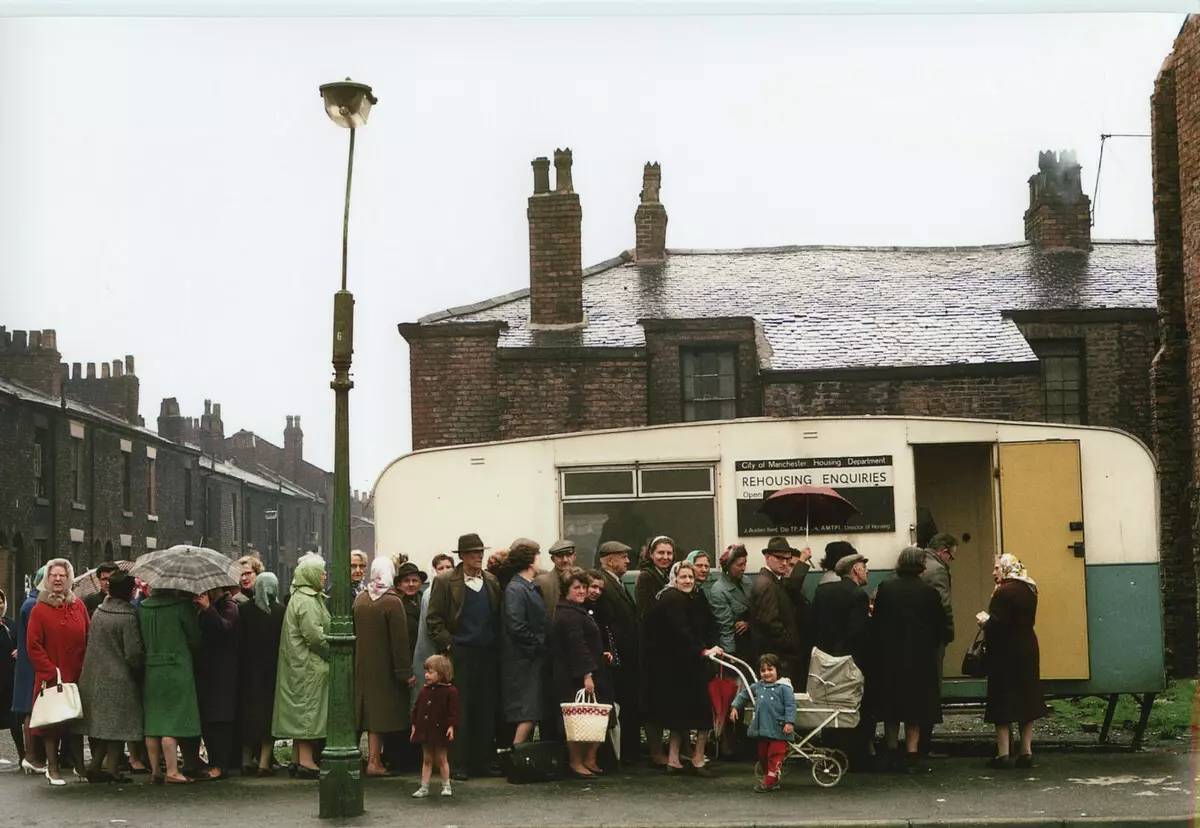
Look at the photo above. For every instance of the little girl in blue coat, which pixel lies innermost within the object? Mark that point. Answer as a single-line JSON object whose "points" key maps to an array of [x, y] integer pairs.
{"points": [[774, 719]]}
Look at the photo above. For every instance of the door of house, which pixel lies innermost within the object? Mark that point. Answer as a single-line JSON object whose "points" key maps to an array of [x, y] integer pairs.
{"points": [[1041, 522]]}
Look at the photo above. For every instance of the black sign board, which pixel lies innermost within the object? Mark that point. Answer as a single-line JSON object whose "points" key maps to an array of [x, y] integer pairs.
{"points": [[866, 481]]}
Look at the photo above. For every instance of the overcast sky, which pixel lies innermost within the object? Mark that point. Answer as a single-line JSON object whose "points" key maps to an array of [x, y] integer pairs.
{"points": [[173, 189]]}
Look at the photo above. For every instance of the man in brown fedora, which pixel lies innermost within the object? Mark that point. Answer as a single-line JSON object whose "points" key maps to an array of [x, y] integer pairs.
{"points": [[464, 622], [774, 622]]}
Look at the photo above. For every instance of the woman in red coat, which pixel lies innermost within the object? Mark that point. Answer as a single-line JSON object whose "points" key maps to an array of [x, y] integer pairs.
{"points": [[57, 638]]}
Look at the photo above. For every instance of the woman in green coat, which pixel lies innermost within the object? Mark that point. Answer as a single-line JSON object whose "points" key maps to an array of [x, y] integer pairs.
{"points": [[302, 683], [170, 634]]}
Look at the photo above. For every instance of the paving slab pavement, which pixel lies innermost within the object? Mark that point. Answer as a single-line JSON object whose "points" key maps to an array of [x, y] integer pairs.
{"points": [[1080, 788]]}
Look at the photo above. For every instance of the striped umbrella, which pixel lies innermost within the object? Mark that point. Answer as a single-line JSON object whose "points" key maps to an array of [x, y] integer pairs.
{"points": [[89, 582], [187, 568]]}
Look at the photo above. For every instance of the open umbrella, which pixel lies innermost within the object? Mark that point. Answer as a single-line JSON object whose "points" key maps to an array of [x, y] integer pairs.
{"points": [[187, 568], [89, 582], [808, 505]]}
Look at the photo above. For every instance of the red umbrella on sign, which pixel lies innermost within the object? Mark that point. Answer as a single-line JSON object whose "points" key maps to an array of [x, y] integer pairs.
{"points": [[808, 505]]}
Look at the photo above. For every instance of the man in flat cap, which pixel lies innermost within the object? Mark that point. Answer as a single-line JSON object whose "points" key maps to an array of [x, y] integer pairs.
{"points": [[842, 614], [562, 555], [616, 604]]}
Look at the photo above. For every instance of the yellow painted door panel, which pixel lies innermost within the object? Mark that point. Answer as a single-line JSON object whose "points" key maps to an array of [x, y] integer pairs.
{"points": [[1040, 497]]}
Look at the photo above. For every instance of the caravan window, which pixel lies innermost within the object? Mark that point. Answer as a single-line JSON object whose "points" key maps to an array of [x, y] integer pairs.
{"points": [[633, 504]]}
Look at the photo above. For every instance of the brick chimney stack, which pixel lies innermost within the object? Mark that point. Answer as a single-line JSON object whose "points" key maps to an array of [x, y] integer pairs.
{"points": [[293, 449], [212, 431], [170, 423], [1059, 216], [555, 247], [32, 359], [650, 220]]}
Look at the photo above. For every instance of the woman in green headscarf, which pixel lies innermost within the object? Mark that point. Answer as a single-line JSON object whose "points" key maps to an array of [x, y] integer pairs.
{"points": [[260, 626], [302, 685]]}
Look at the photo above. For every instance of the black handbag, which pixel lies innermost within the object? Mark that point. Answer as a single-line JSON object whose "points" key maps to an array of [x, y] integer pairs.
{"points": [[531, 762], [974, 663]]}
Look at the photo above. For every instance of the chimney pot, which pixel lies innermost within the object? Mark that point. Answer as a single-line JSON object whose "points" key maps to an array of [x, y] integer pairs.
{"points": [[208, 406], [91, 370], [129, 365], [104, 368], [562, 171], [20, 339], [289, 420], [296, 420], [35, 340], [76, 370], [118, 369], [541, 175], [49, 340], [216, 411]]}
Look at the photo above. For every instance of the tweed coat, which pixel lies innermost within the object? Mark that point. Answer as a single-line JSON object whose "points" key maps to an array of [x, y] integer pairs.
{"points": [[382, 663], [110, 685], [170, 634]]}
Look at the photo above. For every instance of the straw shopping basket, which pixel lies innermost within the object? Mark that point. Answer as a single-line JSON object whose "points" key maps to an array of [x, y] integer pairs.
{"points": [[585, 720]]}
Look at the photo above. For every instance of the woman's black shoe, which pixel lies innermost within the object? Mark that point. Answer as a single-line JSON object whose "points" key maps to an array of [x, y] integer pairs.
{"points": [[308, 773], [1025, 760], [292, 770], [1001, 763]]}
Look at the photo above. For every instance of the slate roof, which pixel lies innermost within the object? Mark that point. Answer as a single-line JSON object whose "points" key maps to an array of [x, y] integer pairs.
{"points": [[15, 389], [846, 307]]}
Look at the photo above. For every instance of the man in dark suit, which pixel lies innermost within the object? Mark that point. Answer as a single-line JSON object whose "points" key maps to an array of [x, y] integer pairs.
{"points": [[616, 605], [464, 623], [773, 620]]}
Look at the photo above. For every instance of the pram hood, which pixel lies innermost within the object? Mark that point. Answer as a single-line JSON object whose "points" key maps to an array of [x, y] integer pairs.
{"points": [[834, 681]]}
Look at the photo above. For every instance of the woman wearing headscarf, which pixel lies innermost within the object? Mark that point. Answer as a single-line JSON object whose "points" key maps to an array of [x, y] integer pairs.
{"points": [[382, 662], [579, 663], [58, 628], [651, 580], [1014, 690], [32, 760], [110, 686], [260, 625], [906, 629], [679, 669], [301, 711], [171, 635], [702, 562], [8, 667], [523, 642], [729, 600]]}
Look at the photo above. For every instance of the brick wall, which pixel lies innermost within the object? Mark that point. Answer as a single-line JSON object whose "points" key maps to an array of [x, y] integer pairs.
{"points": [[664, 340], [557, 391], [1002, 397], [32, 359], [1169, 377], [1117, 357], [1175, 114], [453, 371]]}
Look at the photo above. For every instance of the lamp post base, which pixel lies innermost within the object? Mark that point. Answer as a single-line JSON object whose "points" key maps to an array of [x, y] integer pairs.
{"points": [[341, 785]]}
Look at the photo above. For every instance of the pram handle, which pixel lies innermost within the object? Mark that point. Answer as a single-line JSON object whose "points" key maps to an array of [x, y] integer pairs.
{"points": [[735, 664]]}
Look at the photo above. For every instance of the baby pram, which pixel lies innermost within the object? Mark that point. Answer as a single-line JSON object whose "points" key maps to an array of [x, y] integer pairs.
{"points": [[834, 693]]}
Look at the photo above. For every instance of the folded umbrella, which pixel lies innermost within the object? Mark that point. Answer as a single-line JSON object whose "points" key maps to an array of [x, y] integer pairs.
{"points": [[807, 505], [187, 568], [89, 582], [722, 689]]}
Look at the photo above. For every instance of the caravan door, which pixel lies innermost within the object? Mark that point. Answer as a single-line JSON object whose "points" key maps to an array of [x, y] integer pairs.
{"points": [[1041, 500]]}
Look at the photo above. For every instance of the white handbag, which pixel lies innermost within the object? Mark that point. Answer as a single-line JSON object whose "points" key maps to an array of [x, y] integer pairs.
{"points": [[56, 704], [584, 720]]}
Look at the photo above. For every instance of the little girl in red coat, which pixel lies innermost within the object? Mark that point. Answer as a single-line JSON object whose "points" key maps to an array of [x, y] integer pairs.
{"points": [[434, 719]]}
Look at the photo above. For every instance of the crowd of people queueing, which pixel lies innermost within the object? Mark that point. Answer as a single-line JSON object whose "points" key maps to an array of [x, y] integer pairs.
{"points": [[191, 687]]}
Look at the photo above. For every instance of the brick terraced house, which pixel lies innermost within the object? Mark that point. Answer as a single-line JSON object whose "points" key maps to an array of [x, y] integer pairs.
{"points": [[84, 478], [1057, 327]]}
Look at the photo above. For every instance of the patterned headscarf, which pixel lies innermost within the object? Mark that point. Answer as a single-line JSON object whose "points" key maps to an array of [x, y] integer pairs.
{"points": [[266, 591], [731, 554], [383, 573], [1011, 568]]}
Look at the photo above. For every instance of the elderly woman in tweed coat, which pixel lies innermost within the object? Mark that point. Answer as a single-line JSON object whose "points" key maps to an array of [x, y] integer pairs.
{"points": [[110, 684]]}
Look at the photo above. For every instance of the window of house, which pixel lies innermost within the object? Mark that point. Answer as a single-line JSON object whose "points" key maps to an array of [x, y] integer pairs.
{"points": [[708, 380], [1063, 392], [233, 505], [187, 494], [151, 485], [41, 461], [126, 488], [632, 505], [77, 469]]}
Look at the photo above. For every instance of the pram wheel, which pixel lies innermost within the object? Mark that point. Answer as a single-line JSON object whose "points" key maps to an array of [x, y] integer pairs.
{"points": [[840, 756], [827, 771]]}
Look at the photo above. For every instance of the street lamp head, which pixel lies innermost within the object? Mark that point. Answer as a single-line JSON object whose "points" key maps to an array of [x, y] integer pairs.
{"points": [[347, 103]]}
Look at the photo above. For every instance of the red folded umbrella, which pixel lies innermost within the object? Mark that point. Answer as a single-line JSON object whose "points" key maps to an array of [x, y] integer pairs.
{"points": [[808, 505], [721, 690]]}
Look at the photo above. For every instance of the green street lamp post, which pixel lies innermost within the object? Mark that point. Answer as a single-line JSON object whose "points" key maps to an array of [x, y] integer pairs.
{"points": [[347, 105]]}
